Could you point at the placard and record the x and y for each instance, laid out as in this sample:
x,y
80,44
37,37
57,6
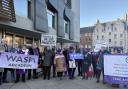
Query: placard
x,y
116,69
48,40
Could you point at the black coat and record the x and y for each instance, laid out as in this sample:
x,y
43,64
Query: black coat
x,y
86,62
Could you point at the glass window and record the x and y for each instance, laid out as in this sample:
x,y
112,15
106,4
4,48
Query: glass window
x,y
109,40
108,28
21,7
102,36
97,37
29,9
97,30
121,35
115,36
115,29
66,26
36,41
121,43
115,42
68,3
19,40
9,38
109,33
51,19
29,41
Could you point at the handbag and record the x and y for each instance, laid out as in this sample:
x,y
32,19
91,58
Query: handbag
x,y
72,64
90,71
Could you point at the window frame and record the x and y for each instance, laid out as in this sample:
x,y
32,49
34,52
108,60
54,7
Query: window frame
x,y
53,19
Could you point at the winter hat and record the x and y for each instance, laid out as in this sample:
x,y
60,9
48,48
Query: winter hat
x,y
58,51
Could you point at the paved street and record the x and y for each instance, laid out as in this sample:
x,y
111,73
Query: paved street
x,y
57,84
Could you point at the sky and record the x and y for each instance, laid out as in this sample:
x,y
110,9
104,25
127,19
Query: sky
x,y
104,10
21,7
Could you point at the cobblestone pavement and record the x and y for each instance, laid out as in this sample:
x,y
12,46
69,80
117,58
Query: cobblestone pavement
x,y
55,83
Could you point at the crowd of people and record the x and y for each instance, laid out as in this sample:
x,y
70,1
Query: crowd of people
x,y
57,60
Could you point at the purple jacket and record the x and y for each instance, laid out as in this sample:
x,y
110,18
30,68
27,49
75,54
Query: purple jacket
x,y
21,71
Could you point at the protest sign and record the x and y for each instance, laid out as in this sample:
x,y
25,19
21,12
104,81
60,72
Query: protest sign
x,y
48,40
99,45
76,56
116,69
18,61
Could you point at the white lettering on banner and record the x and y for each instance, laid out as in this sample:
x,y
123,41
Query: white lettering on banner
x,y
116,65
18,61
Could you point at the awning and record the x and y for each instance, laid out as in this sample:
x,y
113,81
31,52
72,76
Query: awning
x,y
62,40
20,31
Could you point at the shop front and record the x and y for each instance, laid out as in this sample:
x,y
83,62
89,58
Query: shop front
x,y
19,36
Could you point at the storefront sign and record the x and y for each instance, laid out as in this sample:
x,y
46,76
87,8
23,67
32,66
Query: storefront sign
x,y
116,69
48,40
18,61
76,56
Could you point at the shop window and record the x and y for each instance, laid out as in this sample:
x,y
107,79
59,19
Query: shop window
x,y
36,41
19,40
9,39
29,40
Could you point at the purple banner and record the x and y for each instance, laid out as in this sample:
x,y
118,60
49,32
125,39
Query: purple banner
x,y
116,80
76,56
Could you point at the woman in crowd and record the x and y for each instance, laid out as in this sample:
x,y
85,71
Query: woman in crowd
x,y
21,72
4,41
100,64
86,63
53,66
72,64
47,62
14,49
33,51
60,63
81,50
94,62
